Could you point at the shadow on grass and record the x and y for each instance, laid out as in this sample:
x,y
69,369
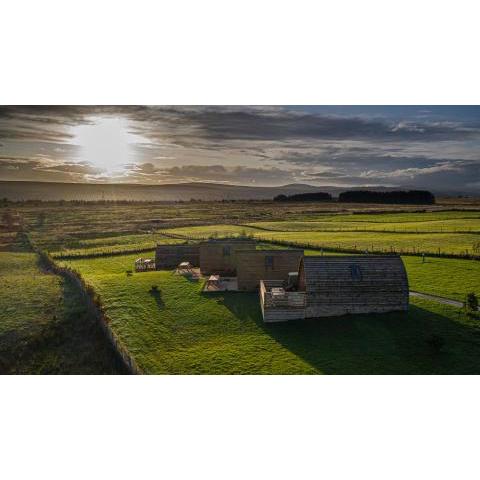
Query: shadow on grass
x,y
393,343
70,342
157,296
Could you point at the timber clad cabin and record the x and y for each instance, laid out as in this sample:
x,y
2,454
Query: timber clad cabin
x,y
256,265
331,286
291,285
219,257
170,256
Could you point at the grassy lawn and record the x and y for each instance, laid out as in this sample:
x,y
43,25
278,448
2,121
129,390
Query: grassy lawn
x,y
126,244
454,243
447,277
180,330
402,217
438,226
44,326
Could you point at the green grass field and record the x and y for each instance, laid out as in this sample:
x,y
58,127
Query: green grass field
x,y
447,277
44,325
114,245
183,331
470,225
449,243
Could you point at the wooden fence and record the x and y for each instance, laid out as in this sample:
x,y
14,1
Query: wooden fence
x,y
414,252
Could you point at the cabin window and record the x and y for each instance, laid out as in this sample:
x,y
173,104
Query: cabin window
x,y
355,272
269,262
226,251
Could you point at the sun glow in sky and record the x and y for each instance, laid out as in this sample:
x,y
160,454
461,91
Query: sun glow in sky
x,y
107,143
421,147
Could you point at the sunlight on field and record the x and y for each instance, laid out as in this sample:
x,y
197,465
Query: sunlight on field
x,y
450,243
182,330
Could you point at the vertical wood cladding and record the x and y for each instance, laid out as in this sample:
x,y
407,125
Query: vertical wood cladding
x,y
170,256
220,256
353,284
256,265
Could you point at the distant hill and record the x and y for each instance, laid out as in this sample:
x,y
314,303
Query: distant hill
x,y
14,190
166,192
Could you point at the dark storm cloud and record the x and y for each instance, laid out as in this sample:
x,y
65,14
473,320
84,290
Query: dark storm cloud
x,y
281,125
18,167
75,168
443,175
246,123
220,173
142,169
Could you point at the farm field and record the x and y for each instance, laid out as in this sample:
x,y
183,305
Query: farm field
x,y
58,225
450,243
113,245
183,331
464,225
447,277
44,326
452,232
452,278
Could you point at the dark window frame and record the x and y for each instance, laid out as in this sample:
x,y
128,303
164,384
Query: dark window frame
x,y
269,262
356,272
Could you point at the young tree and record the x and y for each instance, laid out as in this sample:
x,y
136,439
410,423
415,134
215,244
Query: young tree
x,y
472,303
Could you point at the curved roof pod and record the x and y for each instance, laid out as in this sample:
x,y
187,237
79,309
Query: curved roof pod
x,y
353,284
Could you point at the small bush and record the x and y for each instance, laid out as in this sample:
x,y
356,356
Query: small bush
x,y
128,272
471,303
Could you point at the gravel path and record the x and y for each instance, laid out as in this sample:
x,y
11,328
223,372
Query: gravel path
x,y
435,298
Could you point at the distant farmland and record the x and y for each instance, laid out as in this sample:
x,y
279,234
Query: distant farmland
x,y
181,330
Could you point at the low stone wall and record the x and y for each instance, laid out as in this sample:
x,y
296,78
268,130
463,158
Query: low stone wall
x,y
95,308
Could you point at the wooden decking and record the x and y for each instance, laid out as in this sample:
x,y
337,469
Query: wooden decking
x,y
225,284
279,305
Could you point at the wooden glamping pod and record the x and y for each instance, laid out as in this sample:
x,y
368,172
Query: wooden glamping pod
x,y
256,265
353,284
330,286
220,256
170,256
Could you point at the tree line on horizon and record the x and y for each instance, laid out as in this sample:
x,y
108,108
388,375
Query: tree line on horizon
x,y
410,197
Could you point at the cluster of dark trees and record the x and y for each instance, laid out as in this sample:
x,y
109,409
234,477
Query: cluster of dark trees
x,y
412,197
409,197
304,197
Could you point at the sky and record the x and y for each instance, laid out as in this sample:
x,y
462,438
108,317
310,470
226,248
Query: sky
x,y
433,147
